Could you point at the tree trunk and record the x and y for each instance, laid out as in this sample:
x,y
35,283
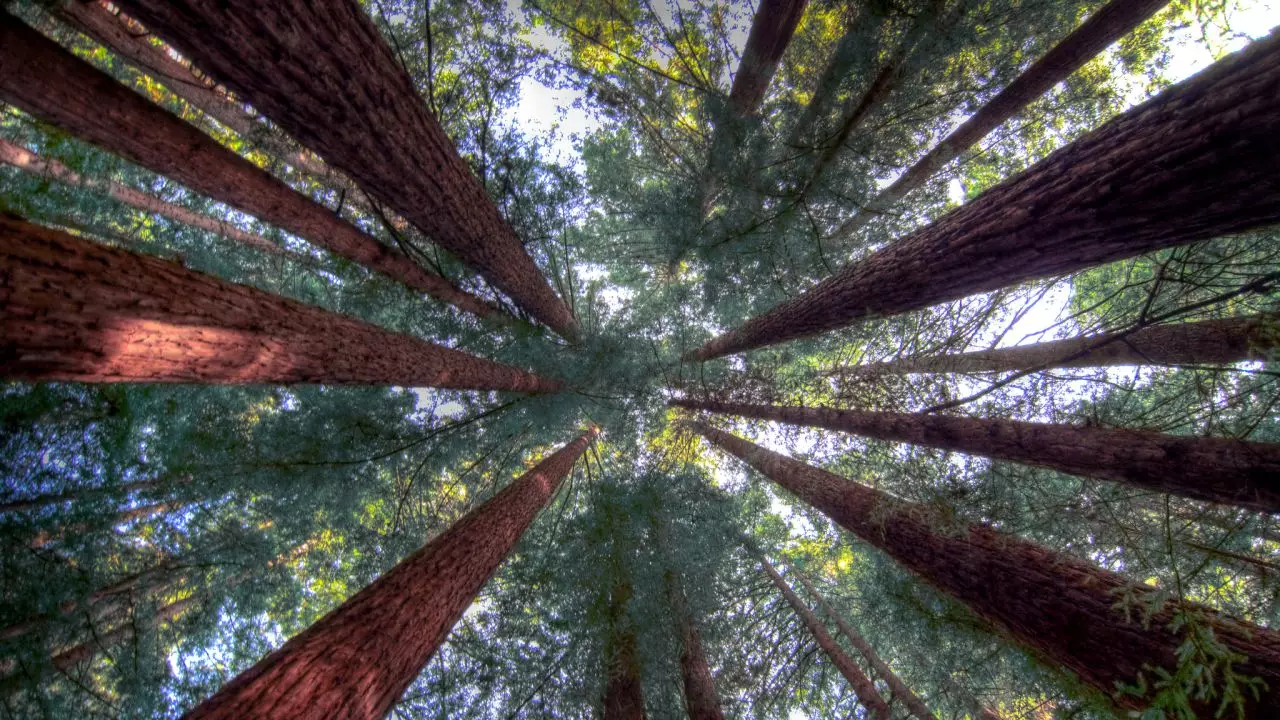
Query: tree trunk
x,y
700,696
623,690
862,685
1222,470
28,161
772,26
356,661
852,48
900,690
42,501
321,71
45,537
1206,342
74,310
1056,606
52,84
1196,162
1107,25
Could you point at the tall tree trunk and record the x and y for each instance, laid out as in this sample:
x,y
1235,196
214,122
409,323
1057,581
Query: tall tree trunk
x,y
74,310
321,71
853,47
862,685
623,690
900,690
1195,162
1107,25
1223,470
101,603
1206,342
28,161
1056,606
57,87
772,27
356,661
79,494
700,696
54,534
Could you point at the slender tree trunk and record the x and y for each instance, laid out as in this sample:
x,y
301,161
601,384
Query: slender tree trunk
x,y
102,603
623,690
854,46
45,537
74,310
1056,606
28,161
321,71
43,79
900,690
772,27
1107,25
862,685
700,696
1222,470
80,494
1196,162
356,661
1206,342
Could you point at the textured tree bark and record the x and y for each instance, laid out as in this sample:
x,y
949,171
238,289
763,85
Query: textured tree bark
x,y
356,661
1206,342
1222,470
1195,162
28,161
700,696
54,85
74,310
1063,610
321,71
862,685
1107,25
900,690
772,27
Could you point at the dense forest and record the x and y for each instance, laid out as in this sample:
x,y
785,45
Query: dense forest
x,y
883,359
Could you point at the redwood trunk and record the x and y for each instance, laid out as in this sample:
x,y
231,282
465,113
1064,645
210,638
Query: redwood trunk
x,y
102,603
900,690
1196,162
1104,27
74,310
41,501
623,690
1223,470
772,27
45,537
1207,342
862,686
1062,609
700,696
54,85
28,161
356,661
321,71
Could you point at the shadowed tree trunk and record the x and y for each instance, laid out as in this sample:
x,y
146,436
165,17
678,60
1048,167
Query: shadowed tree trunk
x,y
356,661
1104,27
900,690
321,71
1065,611
93,493
854,46
1195,162
74,310
700,696
623,690
862,686
772,27
45,537
1223,470
43,79
28,161
1207,342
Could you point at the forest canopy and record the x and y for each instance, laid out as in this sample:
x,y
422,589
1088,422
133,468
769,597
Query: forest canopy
x,y
876,359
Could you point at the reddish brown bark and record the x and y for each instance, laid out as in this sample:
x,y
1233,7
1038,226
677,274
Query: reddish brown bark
x,y
54,85
356,661
862,686
1195,162
321,71
1060,608
700,696
28,161
77,311
772,26
1223,470
1207,342
900,690
45,537
1107,25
